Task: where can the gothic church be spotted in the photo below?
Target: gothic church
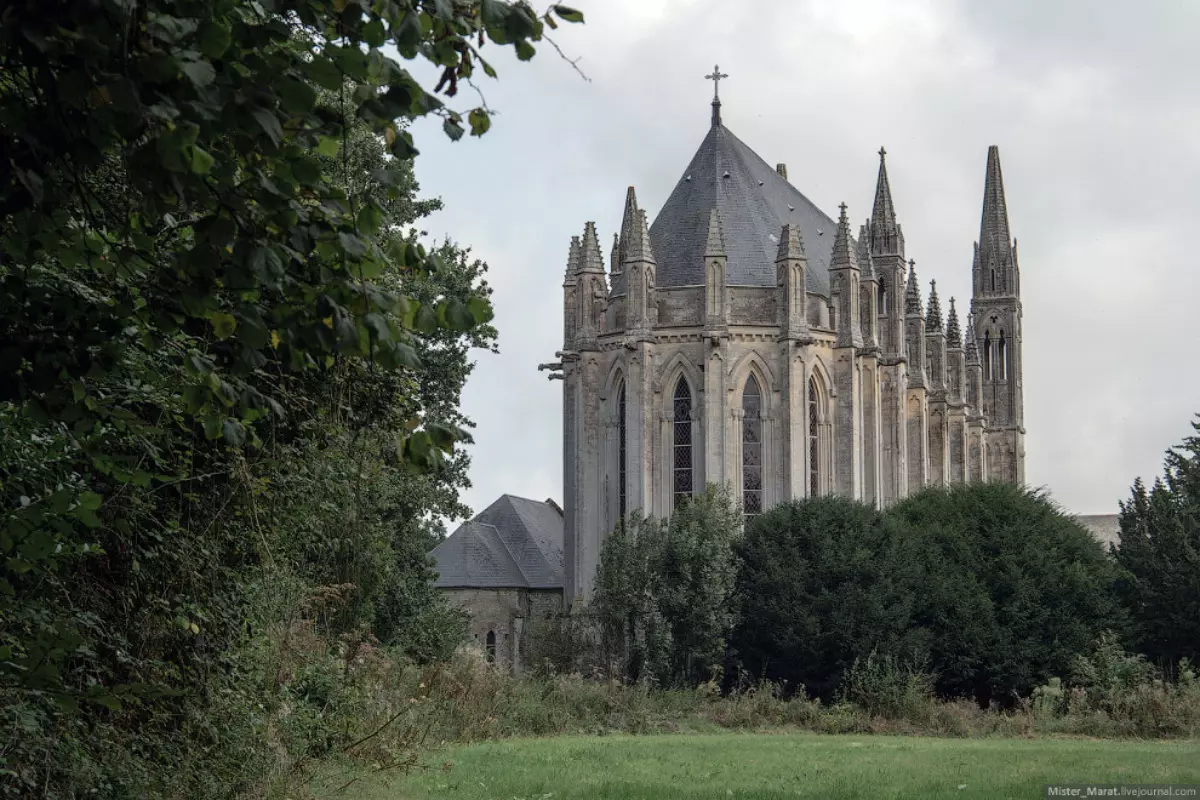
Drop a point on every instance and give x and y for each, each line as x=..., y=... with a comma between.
x=746, y=338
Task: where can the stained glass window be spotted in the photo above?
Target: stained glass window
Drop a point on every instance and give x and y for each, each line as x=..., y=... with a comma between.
x=682, y=477
x=752, y=448
x=814, y=469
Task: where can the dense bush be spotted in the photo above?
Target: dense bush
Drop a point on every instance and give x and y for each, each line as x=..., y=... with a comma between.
x=989, y=585
x=1011, y=590
x=822, y=582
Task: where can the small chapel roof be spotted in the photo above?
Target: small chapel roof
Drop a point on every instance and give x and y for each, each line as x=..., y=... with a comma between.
x=754, y=201
x=514, y=543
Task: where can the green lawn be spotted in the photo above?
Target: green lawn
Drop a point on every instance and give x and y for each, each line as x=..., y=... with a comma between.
x=769, y=766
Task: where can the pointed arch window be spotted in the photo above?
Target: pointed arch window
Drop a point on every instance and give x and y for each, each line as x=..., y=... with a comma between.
x=993, y=280
x=622, y=462
x=752, y=448
x=987, y=356
x=883, y=296
x=681, y=467
x=814, y=447
x=1002, y=357
x=491, y=646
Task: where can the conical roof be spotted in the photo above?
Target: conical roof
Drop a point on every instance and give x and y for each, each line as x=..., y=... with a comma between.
x=754, y=202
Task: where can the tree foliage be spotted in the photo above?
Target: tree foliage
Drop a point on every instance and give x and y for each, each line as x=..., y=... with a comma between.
x=229, y=374
x=821, y=583
x=664, y=590
x=989, y=586
x=1160, y=549
x=1011, y=589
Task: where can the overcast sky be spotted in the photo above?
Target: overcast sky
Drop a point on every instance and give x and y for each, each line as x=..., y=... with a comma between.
x=1094, y=106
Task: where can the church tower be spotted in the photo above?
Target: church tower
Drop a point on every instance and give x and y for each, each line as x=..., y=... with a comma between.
x=996, y=306
x=746, y=339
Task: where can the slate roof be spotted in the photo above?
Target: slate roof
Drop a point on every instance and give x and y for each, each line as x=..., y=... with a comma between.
x=515, y=543
x=754, y=202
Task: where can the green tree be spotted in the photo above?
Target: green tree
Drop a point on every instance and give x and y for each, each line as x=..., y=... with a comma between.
x=822, y=582
x=664, y=590
x=200, y=304
x=1160, y=550
x=1010, y=591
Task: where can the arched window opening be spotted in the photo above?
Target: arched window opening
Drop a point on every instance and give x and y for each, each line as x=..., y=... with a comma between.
x=987, y=355
x=491, y=646
x=683, y=482
x=621, y=455
x=1003, y=357
x=993, y=280
x=814, y=469
x=883, y=297
x=752, y=448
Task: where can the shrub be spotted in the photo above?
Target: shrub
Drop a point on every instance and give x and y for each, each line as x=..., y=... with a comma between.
x=883, y=685
x=1011, y=588
x=821, y=582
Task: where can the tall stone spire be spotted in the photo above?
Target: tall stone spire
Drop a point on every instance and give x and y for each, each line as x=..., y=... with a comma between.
x=886, y=236
x=715, y=246
x=591, y=259
x=953, y=334
x=994, y=225
x=912, y=295
x=933, y=317
x=995, y=271
x=969, y=343
x=884, y=211
x=574, y=256
x=845, y=254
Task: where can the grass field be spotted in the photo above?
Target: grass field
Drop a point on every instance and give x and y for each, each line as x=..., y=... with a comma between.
x=770, y=766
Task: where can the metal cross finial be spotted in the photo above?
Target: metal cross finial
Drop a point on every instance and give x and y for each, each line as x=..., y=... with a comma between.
x=716, y=78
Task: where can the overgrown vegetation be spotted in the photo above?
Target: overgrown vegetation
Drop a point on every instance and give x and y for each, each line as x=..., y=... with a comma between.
x=664, y=592
x=229, y=378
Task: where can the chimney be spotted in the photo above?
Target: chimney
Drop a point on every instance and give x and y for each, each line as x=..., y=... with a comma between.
x=782, y=170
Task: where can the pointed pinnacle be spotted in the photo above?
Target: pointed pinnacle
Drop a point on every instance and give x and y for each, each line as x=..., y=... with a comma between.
x=865, y=263
x=592, y=260
x=637, y=249
x=574, y=256
x=845, y=254
x=969, y=343
x=791, y=243
x=953, y=334
x=912, y=294
x=714, y=247
x=933, y=318
x=884, y=212
x=628, y=220
x=614, y=261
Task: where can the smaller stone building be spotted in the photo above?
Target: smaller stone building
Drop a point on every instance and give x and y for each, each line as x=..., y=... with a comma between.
x=503, y=568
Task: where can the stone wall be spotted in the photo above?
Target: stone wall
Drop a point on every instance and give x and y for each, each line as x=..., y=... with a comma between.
x=503, y=613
